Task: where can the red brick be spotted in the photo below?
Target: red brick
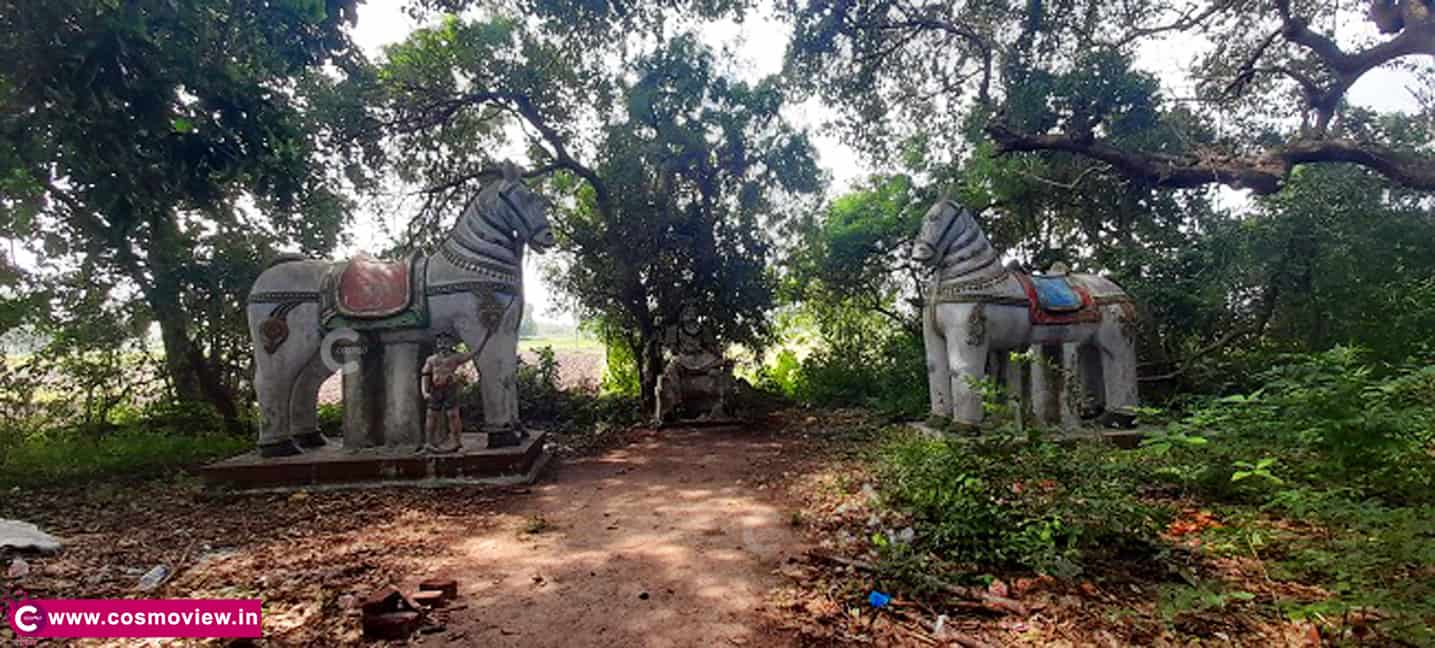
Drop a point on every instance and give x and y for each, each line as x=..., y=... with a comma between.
x=394, y=625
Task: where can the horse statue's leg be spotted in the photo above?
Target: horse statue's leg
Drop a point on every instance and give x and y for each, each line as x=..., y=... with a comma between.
x=277, y=375
x=939, y=375
x=496, y=335
x=1116, y=340
x=304, y=403
x=967, y=341
x=1072, y=388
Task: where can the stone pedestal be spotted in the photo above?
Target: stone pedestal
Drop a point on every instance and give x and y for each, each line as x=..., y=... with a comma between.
x=403, y=415
x=383, y=406
x=362, y=428
x=335, y=466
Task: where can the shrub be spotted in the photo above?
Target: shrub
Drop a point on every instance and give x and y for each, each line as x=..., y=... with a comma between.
x=546, y=402
x=1343, y=448
x=69, y=457
x=1325, y=420
x=1016, y=504
x=886, y=374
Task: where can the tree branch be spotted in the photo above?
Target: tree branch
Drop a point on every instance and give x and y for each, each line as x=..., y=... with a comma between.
x=1185, y=21
x=1263, y=174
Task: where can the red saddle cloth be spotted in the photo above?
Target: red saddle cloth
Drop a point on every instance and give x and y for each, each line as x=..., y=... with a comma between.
x=1086, y=312
x=370, y=287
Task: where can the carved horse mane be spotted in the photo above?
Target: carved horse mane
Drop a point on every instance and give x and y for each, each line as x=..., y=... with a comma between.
x=952, y=241
x=494, y=227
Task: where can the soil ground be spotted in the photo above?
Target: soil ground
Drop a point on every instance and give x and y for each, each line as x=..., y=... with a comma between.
x=662, y=542
x=674, y=537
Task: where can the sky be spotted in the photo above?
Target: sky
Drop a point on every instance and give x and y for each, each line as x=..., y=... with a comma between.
x=758, y=44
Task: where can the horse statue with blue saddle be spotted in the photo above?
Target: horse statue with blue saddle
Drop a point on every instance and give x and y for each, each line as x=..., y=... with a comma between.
x=1080, y=328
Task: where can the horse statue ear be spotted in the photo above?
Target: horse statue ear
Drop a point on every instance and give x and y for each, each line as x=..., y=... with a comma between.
x=510, y=171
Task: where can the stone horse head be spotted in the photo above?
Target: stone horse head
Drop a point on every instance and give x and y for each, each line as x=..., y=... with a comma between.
x=510, y=209
x=944, y=227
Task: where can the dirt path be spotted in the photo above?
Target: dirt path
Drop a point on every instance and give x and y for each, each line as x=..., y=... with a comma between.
x=684, y=516
x=665, y=542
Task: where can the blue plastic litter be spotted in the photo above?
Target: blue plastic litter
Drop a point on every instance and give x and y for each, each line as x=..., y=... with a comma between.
x=878, y=599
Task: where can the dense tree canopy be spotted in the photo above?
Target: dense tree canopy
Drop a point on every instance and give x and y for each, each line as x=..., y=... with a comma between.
x=702, y=169
x=1271, y=71
x=130, y=133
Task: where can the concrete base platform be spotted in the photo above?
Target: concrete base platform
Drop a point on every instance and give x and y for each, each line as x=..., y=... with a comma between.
x=332, y=467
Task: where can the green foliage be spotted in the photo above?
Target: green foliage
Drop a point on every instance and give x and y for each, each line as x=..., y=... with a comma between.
x=885, y=373
x=699, y=169
x=1016, y=504
x=155, y=440
x=1369, y=555
x=153, y=155
x=1326, y=420
x=331, y=419
x=1174, y=600
x=1341, y=450
x=620, y=370
x=854, y=255
x=547, y=403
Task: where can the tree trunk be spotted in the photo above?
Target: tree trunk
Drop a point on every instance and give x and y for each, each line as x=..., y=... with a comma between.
x=192, y=373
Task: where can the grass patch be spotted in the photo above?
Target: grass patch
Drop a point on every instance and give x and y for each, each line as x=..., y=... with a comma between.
x=1017, y=505
x=56, y=458
x=1323, y=480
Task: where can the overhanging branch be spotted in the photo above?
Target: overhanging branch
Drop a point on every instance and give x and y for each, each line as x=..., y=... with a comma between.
x=1262, y=174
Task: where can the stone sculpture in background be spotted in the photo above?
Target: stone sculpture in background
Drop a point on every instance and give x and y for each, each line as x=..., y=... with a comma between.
x=1080, y=329
x=697, y=380
x=441, y=383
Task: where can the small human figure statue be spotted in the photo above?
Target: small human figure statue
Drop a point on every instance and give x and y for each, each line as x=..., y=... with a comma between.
x=441, y=383
x=697, y=375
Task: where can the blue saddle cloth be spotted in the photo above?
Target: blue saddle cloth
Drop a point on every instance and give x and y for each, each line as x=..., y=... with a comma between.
x=1055, y=294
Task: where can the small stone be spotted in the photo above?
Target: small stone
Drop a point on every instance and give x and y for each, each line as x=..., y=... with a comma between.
x=348, y=602
x=448, y=586
x=18, y=568
x=429, y=598
x=643, y=596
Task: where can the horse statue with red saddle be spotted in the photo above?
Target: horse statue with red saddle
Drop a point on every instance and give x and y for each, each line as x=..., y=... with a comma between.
x=375, y=320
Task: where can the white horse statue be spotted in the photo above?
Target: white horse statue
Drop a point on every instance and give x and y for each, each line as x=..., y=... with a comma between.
x=978, y=309
x=382, y=314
